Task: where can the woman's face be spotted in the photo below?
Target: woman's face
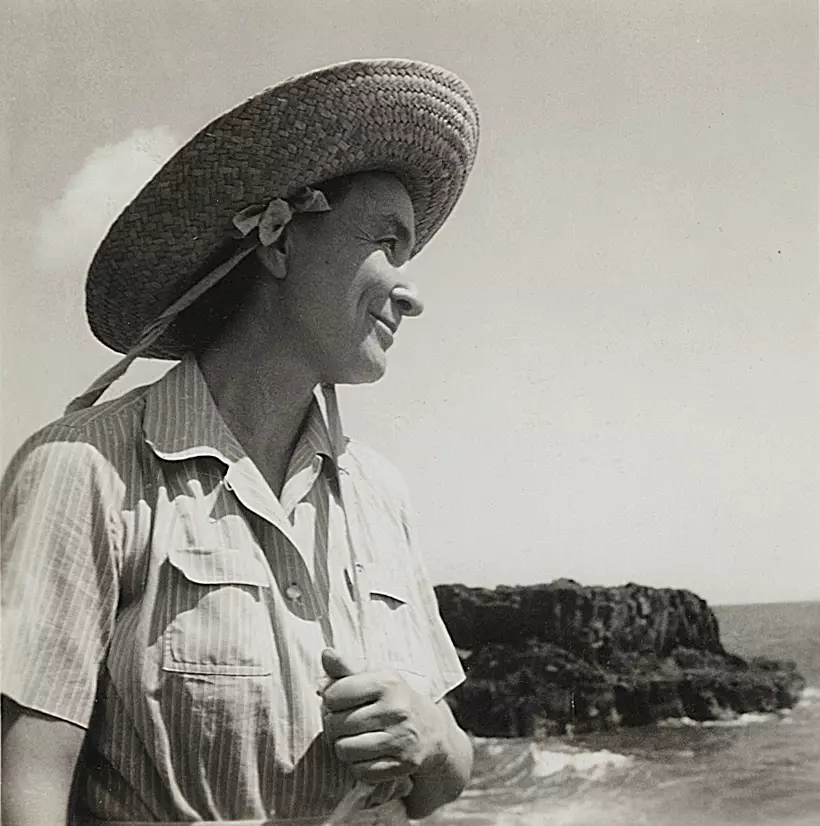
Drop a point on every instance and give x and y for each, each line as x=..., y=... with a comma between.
x=346, y=291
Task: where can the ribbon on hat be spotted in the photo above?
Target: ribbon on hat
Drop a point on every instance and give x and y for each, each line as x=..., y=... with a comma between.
x=271, y=218
x=258, y=227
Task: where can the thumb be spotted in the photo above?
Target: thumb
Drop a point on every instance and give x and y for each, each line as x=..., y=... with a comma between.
x=335, y=667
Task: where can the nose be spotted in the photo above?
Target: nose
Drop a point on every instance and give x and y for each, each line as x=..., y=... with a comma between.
x=405, y=298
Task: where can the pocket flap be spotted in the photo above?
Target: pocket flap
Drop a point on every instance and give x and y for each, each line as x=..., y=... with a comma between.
x=219, y=566
x=385, y=582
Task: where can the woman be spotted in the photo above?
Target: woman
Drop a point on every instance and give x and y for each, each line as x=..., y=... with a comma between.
x=213, y=607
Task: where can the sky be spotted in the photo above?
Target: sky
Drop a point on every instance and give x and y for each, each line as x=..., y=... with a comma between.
x=616, y=375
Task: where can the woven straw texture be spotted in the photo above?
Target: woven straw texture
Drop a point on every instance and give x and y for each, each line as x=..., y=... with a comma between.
x=415, y=120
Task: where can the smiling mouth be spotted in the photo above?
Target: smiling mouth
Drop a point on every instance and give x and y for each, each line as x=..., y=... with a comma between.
x=391, y=327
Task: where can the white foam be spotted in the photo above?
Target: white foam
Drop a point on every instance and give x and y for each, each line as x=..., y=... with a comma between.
x=810, y=695
x=750, y=718
x=590, y=764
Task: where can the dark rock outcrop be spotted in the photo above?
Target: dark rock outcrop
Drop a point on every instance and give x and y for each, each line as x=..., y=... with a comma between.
x=542, y=658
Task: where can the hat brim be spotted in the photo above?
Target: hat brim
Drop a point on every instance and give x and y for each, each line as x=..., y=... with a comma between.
x=412, y=119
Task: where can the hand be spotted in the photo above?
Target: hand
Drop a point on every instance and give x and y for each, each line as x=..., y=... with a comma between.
x=379, y=726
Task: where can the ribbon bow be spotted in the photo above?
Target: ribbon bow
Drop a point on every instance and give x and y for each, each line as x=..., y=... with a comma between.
x=272, y=218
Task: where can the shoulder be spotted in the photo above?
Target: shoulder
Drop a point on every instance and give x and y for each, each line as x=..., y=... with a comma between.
x=373, y=469
x=80, y=443
x=95, y=422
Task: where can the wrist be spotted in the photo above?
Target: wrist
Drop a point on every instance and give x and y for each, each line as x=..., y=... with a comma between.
x=437, y=756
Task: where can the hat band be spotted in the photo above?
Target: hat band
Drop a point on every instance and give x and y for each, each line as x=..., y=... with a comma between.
x=258, y=226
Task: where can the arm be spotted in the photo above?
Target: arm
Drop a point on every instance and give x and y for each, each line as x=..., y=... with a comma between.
x=444, y=780
x=59, y=596
x=39, y=757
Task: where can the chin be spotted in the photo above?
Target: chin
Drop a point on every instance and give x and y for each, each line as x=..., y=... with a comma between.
x=369, y=378
x=362, y=374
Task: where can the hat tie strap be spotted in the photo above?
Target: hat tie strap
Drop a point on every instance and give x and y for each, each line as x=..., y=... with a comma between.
x=258, y=226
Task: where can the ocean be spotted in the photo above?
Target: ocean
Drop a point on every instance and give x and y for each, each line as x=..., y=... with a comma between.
x=757, y=769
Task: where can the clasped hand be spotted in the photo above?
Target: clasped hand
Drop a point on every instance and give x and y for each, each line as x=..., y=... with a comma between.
x=378, y=725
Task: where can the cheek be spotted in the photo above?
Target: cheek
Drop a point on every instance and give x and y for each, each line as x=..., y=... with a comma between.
x=362, y=285
x=339, y=289
x=375, y=273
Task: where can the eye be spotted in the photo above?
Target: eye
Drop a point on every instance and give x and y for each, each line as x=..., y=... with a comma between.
x=395, y=249
x=391, y=244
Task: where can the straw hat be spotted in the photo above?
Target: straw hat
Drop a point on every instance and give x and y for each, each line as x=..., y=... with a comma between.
x=412, y=119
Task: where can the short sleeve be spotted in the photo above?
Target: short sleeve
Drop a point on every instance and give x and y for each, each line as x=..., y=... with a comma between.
x=59, y=574
x=447, y=669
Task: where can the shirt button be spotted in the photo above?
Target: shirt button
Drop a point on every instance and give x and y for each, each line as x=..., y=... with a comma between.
x=293, y=592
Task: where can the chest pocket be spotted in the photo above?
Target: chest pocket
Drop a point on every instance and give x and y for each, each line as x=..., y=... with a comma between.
x=397, y=627
x=216, y=613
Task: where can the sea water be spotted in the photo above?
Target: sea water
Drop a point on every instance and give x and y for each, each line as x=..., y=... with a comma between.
x=756, y=769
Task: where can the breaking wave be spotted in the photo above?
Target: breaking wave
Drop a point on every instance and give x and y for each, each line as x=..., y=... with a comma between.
x=810, y=696
x=501, y=763
x=748, y=719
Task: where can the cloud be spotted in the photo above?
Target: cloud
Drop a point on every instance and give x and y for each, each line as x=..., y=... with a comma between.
x=71, y=228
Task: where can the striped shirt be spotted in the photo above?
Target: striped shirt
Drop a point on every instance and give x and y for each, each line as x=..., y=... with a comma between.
x=158, y=594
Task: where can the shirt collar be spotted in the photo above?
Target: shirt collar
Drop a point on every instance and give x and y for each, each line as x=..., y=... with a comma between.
x=182, y=421
x=314, y=440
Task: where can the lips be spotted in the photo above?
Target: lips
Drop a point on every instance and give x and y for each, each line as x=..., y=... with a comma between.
x=389, y=324
x=384, y=330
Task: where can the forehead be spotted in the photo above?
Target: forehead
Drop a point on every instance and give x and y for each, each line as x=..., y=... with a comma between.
x=378, y=195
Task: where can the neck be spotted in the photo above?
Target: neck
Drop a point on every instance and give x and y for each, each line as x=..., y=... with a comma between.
x=263, y=392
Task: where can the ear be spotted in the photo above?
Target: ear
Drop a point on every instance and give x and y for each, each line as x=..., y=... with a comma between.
x=274, y=257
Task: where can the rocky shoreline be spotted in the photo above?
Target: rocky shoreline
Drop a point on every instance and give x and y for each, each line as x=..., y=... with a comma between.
x=548, y=659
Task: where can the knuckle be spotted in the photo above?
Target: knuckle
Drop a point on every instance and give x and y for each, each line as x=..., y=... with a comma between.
x=404, y=714
x=399, y=716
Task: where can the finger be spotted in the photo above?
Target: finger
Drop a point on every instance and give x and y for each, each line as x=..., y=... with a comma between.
x=380, y=771
x=372, y=745
x=351, y=692
x=358, y=720
x=334, y=665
